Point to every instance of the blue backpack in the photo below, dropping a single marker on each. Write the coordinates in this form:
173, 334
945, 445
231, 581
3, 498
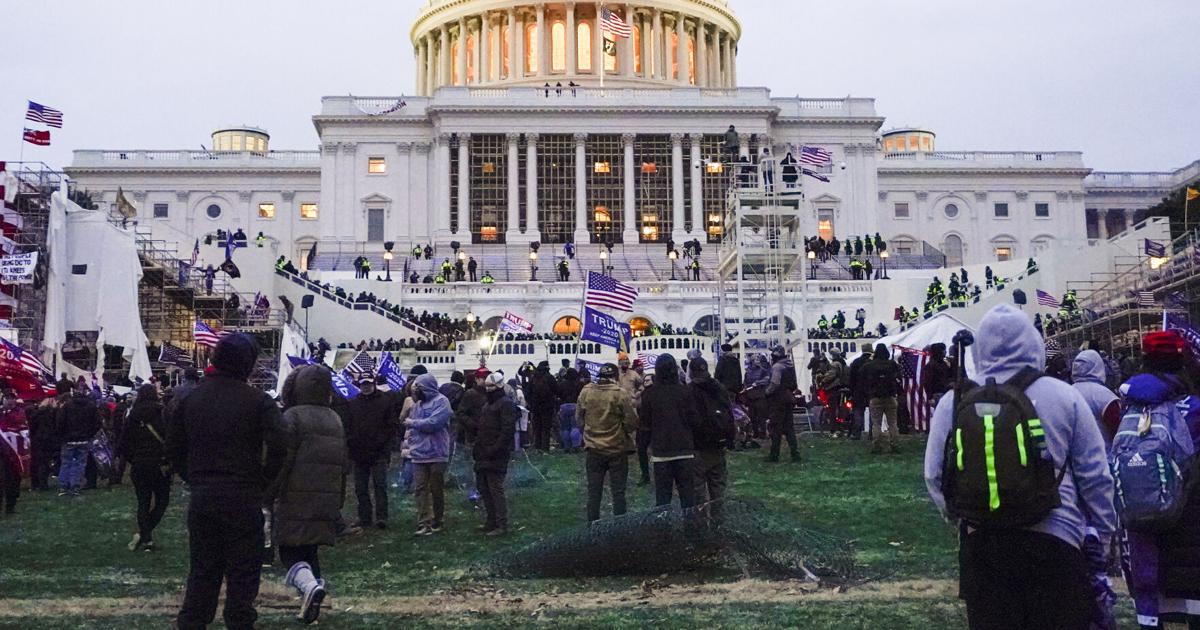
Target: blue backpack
1151, 461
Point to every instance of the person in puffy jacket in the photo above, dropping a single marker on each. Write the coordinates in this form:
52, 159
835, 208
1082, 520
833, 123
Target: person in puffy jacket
428, 438
494, 439
78, 421
781, 396
1089, 375
1163, 568
667, 417
143, 445
609, 422
711, 439
881, 378
758, 377
372, 421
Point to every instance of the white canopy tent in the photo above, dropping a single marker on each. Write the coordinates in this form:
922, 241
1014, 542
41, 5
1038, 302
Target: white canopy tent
940, 328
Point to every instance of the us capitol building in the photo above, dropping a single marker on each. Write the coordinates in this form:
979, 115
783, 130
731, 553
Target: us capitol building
529, 123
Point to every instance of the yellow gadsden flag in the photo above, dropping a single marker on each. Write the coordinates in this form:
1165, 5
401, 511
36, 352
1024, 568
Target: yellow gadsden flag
1193, 194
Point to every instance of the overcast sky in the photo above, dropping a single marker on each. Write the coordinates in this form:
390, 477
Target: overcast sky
1113, 78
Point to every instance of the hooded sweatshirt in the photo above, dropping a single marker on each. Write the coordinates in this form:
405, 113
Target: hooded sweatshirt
1089, 375
429, 433
1007, 344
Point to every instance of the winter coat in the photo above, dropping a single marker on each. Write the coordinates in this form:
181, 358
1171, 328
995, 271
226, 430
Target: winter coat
1006, 344
608, 417
453, 393
1089, 375
708, 395
78, 419
144, 440
470, 408
217, 434
569, 388
371, 426
542, 392
308, 491
836, 376
881, 377
667, 413
495, 433
858, 385
729, 373
937, 377
429, 423
43, 428
782, 388
633, 384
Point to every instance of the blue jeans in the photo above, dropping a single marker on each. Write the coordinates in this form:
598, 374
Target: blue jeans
72, 463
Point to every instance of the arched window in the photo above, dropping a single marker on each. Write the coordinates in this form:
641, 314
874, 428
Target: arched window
492, 323
691, 43
772, 324
637, 49
471, 69
454, 78
567, 326
953, 249
673, 50
531, 49
558, 47
583, 42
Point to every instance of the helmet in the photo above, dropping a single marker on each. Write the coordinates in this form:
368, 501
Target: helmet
778, 352
608, 371
493, 382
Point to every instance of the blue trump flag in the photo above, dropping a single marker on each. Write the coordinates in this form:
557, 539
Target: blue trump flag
591, 367
345, 386
1185, 329
605, 330
391, 372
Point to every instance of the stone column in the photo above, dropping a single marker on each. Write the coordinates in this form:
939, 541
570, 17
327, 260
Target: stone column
629, 232
697, 185
464, 186
701, 54
572, 47
626, 61
581, 205
421, 61
598, 56
677, 231
659, 71
478, 53
444, 57
726, 57
682, 49
485, 36
532, 232
513, 33
543, 55
518, 47
647, 47
443, 182
513, 230
732, 62
460, 61
495, 46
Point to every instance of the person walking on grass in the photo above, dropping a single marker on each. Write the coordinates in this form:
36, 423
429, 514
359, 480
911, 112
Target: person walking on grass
372, 421
609, 421
881, 376
494, 440
143, 445
308, 492
78, 421
781, 397
428, 427
715, 432
1022, 515
668, 417
224, 439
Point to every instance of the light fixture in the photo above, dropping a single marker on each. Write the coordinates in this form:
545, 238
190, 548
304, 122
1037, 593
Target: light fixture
388, 255
1156, 263
603, 255
812, 255
673, 255
882, 254
533, 255
462, 255
471, 319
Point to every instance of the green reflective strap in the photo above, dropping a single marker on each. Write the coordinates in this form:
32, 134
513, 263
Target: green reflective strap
1162, 474
989, 450
958, 447
1035, 423
1021, 446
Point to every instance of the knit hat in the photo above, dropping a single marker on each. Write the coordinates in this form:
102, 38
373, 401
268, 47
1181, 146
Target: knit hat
235, 355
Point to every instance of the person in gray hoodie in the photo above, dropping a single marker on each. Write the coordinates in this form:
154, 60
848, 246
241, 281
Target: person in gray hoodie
1089, 375
1035, 577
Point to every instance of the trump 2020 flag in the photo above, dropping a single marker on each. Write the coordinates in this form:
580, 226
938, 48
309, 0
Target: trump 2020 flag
605, 330
391, 372
1155, 249
345, 388
1185, 329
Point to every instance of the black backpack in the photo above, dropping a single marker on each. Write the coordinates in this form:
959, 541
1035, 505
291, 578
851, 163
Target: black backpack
716, 421
998, 471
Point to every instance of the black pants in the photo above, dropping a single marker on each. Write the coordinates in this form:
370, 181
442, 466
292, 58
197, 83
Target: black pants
490, 483
225, 532
760, 410
1023, 579
370, 476
10, 484
43, 462
153, 490
678, 475
643, 452
541, 422
782, 426
289, 556
616, 467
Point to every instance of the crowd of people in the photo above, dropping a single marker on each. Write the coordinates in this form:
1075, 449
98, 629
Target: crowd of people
835, 327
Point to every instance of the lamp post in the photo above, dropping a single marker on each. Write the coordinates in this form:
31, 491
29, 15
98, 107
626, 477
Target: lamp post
387, 258
603, 262
533, 256
471, 319
673, 256
485, 348
812, 265
883, 258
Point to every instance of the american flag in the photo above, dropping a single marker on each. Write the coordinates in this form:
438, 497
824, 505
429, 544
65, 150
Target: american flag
912, 366
815, 156
46, 115
1146, 298
29, 361
613, 23
206, 336
172, 355
1155, 249
604, 292
1045, 299
362, 365
815, 175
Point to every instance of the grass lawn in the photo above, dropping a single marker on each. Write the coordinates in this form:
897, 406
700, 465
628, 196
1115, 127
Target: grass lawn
63, 562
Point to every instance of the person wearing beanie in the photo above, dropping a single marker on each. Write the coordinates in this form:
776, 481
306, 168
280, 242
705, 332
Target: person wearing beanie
609, 420
372, 421
542, 392
781, 399
224, 439
715, 432
494, 439
1034, 576
729, 371
881, 381
307, 494
142, 445
428, 438
667, 417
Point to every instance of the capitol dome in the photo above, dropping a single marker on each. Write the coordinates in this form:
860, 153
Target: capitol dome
670, 43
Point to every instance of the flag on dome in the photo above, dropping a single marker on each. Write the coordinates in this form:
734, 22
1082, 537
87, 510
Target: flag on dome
40, 138
815, 175
1193, 194
815, 156
615, 24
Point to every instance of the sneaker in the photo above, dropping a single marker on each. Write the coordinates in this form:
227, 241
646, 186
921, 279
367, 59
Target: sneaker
423, 531
497, 533
149, 546
310, 607
135, 542
435, 529
62, 493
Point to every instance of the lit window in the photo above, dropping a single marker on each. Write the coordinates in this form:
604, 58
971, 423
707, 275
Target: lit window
912, 143
489, 234
266, 211
637, 49
531, 49
714, 168
901, 210
488, 168
602, 167
584, 41
603, 215
951, 210
213, 211
237, 142
160, 210
558, 47
1001, 211
376, 165
1041, 210
308, 211
649, 168
1004, 254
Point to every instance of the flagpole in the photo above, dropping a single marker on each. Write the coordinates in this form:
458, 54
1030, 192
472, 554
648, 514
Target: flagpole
603, 51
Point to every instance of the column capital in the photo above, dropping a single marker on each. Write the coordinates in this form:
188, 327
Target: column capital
676, 138
403, 147
580, 137
443, 137
513, 138
288, 195
349, 148
628, 138
422, 147
463, 136
531, 139
329, 148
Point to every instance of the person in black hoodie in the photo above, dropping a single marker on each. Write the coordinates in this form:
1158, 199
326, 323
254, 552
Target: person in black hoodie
938, 376
372, 423
143, 445
729, 371
668, 418
78, 421
714, 432
44, 442
495, 436
225, 440
542, 394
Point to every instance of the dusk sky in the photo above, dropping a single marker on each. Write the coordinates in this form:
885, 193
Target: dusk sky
1114, 79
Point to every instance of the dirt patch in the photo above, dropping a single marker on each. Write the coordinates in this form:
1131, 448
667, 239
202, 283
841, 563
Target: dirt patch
472, 601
